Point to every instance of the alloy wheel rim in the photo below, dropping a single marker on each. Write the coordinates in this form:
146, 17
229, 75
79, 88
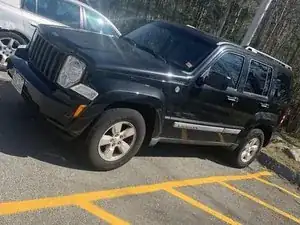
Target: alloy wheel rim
250, 150
8, 47
117, 141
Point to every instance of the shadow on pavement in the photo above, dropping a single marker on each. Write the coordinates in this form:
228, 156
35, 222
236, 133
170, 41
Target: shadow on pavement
214, 154
24, 134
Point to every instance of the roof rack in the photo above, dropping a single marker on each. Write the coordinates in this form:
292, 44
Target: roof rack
249, 48
265, 54
188, 25
227, 43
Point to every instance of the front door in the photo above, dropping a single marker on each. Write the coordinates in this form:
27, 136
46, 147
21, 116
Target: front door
207, 113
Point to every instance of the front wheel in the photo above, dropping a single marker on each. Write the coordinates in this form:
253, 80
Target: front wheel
116, 138
248, 149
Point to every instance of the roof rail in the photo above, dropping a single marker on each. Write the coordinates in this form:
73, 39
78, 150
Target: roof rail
188, 25
227, 43
265, 54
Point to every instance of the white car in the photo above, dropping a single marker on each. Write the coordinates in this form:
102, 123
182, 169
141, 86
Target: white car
18, 19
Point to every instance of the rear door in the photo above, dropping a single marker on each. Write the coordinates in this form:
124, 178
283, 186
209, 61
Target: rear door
61, 11
254, 101
52, 12
30, 17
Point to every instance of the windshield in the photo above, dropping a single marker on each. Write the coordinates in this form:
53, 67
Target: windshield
182, 49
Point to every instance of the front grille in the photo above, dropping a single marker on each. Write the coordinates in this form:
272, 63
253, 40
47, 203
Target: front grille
45, 57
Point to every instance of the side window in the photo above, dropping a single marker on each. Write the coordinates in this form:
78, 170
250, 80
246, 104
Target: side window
282, 87
229, 65
61, 11
96, 23
29, 5
259, 79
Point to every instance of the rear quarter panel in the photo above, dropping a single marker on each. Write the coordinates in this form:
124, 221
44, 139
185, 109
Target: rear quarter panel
14, 18
11, 17
30, 19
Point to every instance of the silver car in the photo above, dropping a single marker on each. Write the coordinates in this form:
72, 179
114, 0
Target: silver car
18, 19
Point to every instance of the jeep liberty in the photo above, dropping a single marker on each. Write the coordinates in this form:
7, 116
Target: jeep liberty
162, 82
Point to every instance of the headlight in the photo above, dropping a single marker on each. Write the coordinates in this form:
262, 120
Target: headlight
71, 72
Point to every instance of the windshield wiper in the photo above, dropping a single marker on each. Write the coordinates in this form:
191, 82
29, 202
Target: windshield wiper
130, 41
156, 55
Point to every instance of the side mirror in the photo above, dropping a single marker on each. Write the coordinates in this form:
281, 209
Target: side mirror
217, 80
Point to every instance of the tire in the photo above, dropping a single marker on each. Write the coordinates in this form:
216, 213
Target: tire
240, 158
128, 118
4, 53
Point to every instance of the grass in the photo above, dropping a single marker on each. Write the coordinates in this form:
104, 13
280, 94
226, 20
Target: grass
276, 151
290, 139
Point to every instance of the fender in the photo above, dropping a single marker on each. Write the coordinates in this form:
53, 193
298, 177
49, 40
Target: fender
123, 92
260, 119
11, 23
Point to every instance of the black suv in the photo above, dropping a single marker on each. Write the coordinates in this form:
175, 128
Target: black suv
162, 82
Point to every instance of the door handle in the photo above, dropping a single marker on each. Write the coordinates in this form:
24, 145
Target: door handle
264, 105
232, 98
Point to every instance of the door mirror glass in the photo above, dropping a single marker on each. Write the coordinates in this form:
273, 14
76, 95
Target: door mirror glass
217, 80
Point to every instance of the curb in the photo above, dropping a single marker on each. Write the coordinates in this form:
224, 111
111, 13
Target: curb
279, 169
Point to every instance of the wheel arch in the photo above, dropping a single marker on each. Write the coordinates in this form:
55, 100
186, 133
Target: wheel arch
267, 130
27, 39
266, 126
152, 115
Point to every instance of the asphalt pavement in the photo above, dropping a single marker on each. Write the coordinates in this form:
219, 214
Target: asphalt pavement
44, 180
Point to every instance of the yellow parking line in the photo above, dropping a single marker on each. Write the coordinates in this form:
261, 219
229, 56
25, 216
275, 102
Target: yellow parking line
297, 220
8, 208
201, 206
102, 214
277, 186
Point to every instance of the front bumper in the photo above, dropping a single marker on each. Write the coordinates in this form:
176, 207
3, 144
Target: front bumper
58, 105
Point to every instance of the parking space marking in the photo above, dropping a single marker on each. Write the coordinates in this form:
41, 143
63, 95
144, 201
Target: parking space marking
8, 208
287, 215
101, 213
278, 187
201, 206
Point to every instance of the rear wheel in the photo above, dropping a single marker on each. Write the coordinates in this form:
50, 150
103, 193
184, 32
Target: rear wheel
116, 138
248, 149
9, 42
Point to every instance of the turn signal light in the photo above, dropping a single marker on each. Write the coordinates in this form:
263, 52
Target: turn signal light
79, 110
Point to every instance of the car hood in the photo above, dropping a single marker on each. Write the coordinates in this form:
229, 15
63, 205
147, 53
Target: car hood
105, 52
